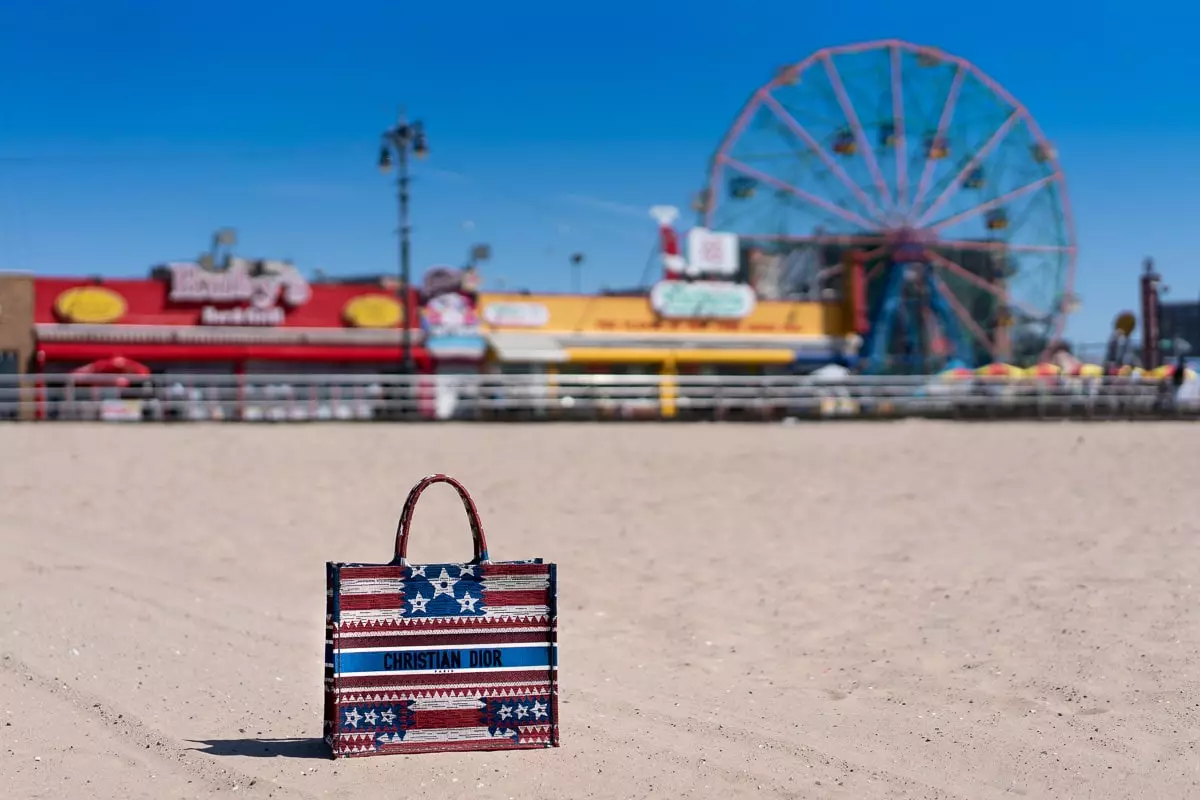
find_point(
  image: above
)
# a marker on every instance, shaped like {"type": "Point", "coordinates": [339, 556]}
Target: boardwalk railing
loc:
{"type": "Point", "coordinates": [295, 398]}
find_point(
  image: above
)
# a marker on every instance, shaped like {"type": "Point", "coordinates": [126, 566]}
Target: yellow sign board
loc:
{"type": "Point", "coordinates": [90, 304]}
{"type": "Point", "coordinates": [603, 314]}
{"type": "Point", "coordinates": [373, 311]}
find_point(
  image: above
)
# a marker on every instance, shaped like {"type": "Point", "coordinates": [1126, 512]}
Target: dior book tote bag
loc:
{"type": "Point", "coordinates": [432, 657]}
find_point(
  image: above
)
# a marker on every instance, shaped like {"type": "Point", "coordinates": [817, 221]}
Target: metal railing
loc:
{"type": "Point", "coordinates": [539, 396]}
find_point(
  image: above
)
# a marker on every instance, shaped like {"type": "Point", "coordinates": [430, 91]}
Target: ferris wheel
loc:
{"type": "Point", "coordinates": [914, 164]}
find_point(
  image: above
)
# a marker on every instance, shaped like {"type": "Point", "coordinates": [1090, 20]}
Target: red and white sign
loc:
{"type": "Point", "coordinates": [258, 296]}
{"type": "Point", "coordinates": [712, 253]}
{"type": "Point", "coordinates": [451, 314]}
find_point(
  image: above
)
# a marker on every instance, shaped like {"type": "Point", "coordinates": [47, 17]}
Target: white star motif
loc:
{"type": "Point", "coordinates": [522, 711]}
{"type": "Point", "coordinates": [371, 717]}
{"type": "Point", "coordinates": [352, 717]}
{"type": "Point", "coordinates": [443, 584]}
{"type": "Point", "coordinates": [539, 709]}
{"type": "Point", "coordinates": [418, 603]}
{"type": "Point", "coordinates": [467, 603]}
{"type": "Point", "coordinates": [466, 569]}
{"type": "Point", "coordinates": [417, 571]}
{"type": "Point", "coordinates": [505, 712]}
{"type": "Point", "coordinates": [388, 717]}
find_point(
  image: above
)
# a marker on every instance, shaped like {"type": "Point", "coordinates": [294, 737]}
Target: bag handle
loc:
{"type": "Point", "coordinates": [402, 530]}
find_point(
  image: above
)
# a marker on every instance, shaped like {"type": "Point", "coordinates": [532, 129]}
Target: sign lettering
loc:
{"type": "Point", "coordinates": [265, 291]}
{"type": "Point", "coordinates": [442, 659]}
{"type": "Point", "coordinates": [516, 315]}
{"type": "Point", "coordinates": [702, 300]}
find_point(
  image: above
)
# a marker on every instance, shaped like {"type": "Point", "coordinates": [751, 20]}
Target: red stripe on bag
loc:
{"type": "Point", "coordinates": [365, 602]}
{"type": "Point", "coordinates": [515, 597]}
{"type": "Point", "coordinates": [457, 718]}
{"type": "Point", "coordinates": [371, 572]}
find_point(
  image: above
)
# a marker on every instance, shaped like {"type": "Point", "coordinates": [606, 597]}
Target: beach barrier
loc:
{"type": "Point", "coordinates": [592, 396]}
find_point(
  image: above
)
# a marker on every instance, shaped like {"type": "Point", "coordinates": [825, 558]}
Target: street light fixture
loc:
{"type": "Point", "coordinates": [397, 142]}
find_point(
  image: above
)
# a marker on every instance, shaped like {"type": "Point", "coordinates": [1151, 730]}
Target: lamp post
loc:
{"type": "Point", "coordinates": [398, 142]}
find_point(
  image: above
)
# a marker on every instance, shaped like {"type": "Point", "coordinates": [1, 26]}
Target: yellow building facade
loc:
{"type": "Point", "coordinates": [700, 329]}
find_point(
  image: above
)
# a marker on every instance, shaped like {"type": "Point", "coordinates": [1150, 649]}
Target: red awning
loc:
{"type": "Point", "coordinates": [118, 365]}
{"type": "Point", "coordinates": [146, 351]}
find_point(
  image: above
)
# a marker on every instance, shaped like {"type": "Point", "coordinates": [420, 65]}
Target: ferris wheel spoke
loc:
{"type": "Point", "coordinates": [787, 119]}
{"type": "Point", "coordinates": [1005, 246]}
{"type": "Point", "coordinates": [901, 148]}
{"type": "Point", "coordinates": [979, 156]}
{"type": "Point", "coordinates": [830, 239]}
{"type": "Point", "coordinates": [965, 274]}
{"type": "Point", "coordinates": [964, 316]}
{"type": "Point", "coordinates": [860, 136]}
{"type": "Point", "coordinates": [960, 271]}
{"type": "Point", "coordinates": [994, 203]}
{"type": "Point", "coordinates": [836, 268]}
{"type": "Point", "coordinates": [811, 199]}
{"type": "Point", "coordinates": [960, 75]}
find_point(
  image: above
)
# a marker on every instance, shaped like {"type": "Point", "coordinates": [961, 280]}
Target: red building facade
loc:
{"type": "Point", "coordinates": [250, 316]}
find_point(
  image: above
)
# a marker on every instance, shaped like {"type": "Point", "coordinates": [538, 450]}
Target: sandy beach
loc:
{"type": "Point", "coordinates": [911, 610]}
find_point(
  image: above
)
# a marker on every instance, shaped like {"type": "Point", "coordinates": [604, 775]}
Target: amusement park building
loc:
{"type": "Point", "coordinates": [256, 318]}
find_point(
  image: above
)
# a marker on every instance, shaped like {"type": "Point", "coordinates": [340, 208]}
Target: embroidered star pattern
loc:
{"type": "Point", "coordinates": [353, 717]}
{"type": "Point", "coordinates": [444, 590]}
{"type": "Point", "coordinates": [443, 584]}
{"type": "Point", "coordinates": [512, 715]}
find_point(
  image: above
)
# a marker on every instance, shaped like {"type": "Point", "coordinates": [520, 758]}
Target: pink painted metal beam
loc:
{"type": "Point", "coordinates": [994, 203]}
{"type": "Point", "coordinates": [965, 274]}
{"type": "Point", "coordinates": [820, 239]}
{"type": "Point", "coordinates": [812, 199]}
{"type": "Point", "coordinates": [899, 146]}
{"type": "Point", "coordinates": [798, 129]}
{"type": "Point", "coordinates": [956, 184]}
{"type": "Point", "coordinates": [960, 75]}
{"type": "Point", "coordinates": [1005, 246]}
{"type": "Point", "coordinates": [963, 315]}
{"type": "Point", "coordinates": [860, 136]}
{"type": "Point", "coordinates": [835, 269]}
{"type": "Point", "coordinates": [739, 125]}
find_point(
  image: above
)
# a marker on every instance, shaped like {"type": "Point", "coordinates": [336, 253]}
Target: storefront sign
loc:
{"type": "Point", "coordinates": [90, 304]}
{"type": "Point", "coordinates": [702, 300]}
{"type": "Point", "coordinates": [712, 253]}
{"type": "Point", "coordinates": [451, 314]}
{"type": "Point", "coordinates": [439, 280]}
{"type": "Point", "coordinates": [266, 291]}
{"type": "Point", "coordinates": [373, 311]}
{"type": "Point", "coordinates": [516, 315]}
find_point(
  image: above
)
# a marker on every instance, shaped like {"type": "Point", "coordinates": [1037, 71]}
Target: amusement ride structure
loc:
{"type": "Point", "coordinates": [906, 176]}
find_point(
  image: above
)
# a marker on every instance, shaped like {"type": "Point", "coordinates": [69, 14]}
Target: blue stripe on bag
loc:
{"type": "Point", "coordinates": [447, 659]}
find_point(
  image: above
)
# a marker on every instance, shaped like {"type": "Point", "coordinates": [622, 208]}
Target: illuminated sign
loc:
{"type": "Point", "coordinates": [702, 300]}
{"type": "Point", "coordinates": [451, 314]}
{"type": "Point", "coordinates": [711, 253]}
{"type": "Point", "coordinates": [90, 304]}
{"type": "Point", "coordinates": [266, 288]}
{"type": "Point", "coordinates": [516, 315]}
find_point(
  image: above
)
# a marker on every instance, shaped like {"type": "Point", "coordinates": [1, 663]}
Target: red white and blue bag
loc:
{"type": "Point", "coordinates": [436, 657]}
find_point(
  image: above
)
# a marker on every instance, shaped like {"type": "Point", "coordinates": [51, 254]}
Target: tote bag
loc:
{"type": "Point", "coordinates": [436, 657]}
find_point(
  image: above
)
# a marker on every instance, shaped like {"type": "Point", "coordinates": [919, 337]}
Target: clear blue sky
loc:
{"type": "Point", "coordinates": [132, 128]}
